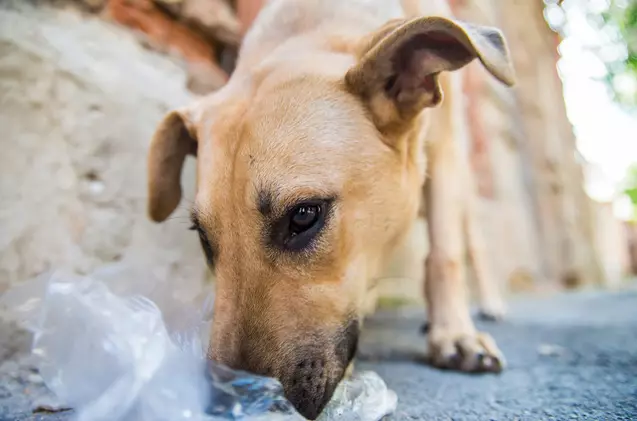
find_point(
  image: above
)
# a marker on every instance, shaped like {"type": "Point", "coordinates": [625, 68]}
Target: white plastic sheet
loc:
{"type": "Point", "coordinates": [111, 357]}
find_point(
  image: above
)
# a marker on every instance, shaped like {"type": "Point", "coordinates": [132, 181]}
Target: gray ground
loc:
{"type": "Point", "coordinates": [570, 357]}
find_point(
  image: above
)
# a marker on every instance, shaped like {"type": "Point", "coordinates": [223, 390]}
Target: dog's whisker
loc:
{"type": "Point", "coordinates": [200, 212]}
{"type": "Point", "coordinates": [179, 218]}
{"type": "Point", "coordinates": [191, 202]}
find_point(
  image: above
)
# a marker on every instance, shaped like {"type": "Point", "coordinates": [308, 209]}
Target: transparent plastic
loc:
{"type": "Point", "coordinates": [112, 357]}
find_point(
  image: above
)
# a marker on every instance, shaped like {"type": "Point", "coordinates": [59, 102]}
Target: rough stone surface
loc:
{"type": "Point", "coordinates": [167, 35]}
{"type": "Point", "coordinates": [570, 357]}
{"type": "Point", "coordinates": [79, 101]}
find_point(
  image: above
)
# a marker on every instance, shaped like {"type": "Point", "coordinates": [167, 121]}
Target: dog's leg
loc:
{"type": "Point", "coordinates": [490, 298]}
{"type": "Point", "coordinates": [453, 340]}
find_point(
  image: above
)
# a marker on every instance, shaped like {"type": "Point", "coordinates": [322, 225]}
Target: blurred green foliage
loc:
{"type": "Point", "coordinates": [611, 35]}
{"type": "Point", "coordinates": [619, 25]}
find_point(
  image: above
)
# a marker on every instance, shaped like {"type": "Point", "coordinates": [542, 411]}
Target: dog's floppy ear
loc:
{"type": "Point", "coordinates": [397, 72]}
{"type": "Point", "coordinates": [173, 140]}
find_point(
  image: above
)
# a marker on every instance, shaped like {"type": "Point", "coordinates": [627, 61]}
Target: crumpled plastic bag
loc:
{"type": "Point", "coordinates": [111, 357]}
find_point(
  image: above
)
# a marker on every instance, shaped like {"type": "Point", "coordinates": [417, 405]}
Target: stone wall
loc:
{"type": "Point", "coordinates": [536, 214]}
{"type": "Point", "coordinates": [612, 245]}
{"type": "Point", "coordinates": [79, 101]}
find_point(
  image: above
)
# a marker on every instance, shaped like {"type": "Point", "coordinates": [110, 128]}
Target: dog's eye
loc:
{"type": "Point", "coordinates": [205, 243]}
{"type": "Point", "coordinates": [298, 228]}
{"type": "Point", "coordinates": [303, 218]}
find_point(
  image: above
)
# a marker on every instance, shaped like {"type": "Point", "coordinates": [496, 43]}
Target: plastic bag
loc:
{"type": "Point", "coordinates": [112, 358]}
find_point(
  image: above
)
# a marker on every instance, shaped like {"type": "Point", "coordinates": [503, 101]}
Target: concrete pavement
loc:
{"type": "Point", "coordinates": [571, 357]}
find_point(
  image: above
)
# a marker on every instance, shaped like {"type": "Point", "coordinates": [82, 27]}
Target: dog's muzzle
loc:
{"type": "Point", "coordinates": [308, 367]}
{"type": "Point", "coordinates": [310, 382]}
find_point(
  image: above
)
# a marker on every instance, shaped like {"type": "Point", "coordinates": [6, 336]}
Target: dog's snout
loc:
{"type": "Point", "coordinates": [308, 366]}
{"type": "Point", "coordinates": [309, 371]}
{"type": "Point", "coordinates": [312, 381]}
{"type": "Point", "coordinates": [309, 388]}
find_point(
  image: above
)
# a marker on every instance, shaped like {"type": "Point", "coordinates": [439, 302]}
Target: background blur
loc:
{"type": "Point", "coordinates": [84, 83]}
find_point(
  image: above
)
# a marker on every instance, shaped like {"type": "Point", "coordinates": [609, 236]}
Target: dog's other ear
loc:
{"type": "Point", "coordinates": [173, 140]}
{"type": "Point", "coordinates": [397, 72]}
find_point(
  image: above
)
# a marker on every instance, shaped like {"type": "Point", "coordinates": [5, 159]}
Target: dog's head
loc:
{"type": "Point", "coordinates": [308, 173]}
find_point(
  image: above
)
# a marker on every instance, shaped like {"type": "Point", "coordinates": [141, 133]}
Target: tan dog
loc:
{"type": "Point", "coordinates": [310, 166]}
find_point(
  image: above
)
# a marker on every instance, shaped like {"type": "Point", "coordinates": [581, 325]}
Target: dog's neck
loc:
{"type": "Point", "coordinates": [291, 27]}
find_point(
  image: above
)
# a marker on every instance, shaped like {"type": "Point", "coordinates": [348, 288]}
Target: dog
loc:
{"type": "Point", "coordinates": [312, 165]}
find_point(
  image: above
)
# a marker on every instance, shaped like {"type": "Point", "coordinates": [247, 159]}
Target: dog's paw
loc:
{"type": "Point", "coordinates": [468, 352]}
{"type": "Point", "coordinates": [491, 314]}
{"type": "Point", "coordinates": [424, 328]}
{"type": "Point", "coordinates": [492, 311]}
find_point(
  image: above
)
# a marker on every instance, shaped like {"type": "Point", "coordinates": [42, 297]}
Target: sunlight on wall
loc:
{"type": "Point", "coordinates": [606, 135]}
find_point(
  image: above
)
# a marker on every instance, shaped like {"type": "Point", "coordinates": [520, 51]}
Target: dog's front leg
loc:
{"type": "Point", "coordinates": [453, 340]}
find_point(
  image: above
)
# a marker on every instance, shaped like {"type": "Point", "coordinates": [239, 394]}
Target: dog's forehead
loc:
{"type": "Point", "coordinates": [302, 122]}
{"type": "Point", "coordinates": [300, 128]}
{"type": "Point", "coordinates": [304, 136]}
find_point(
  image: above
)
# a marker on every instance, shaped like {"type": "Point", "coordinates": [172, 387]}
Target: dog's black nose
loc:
{"type": "Point", "coordinates": [308, 387]}
{"type": "Point", "coordinates": [310, 384]}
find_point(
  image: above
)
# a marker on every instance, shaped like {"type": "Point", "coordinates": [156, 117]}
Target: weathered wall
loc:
{"type": "Point", "coordinates": [79, 101]}
{"type": "Point", "coordinates": [536, 213]}
{"type": "Point", "coordinates": [630, 233]}
{"type": "Point", "coordinates": [611, 245]}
